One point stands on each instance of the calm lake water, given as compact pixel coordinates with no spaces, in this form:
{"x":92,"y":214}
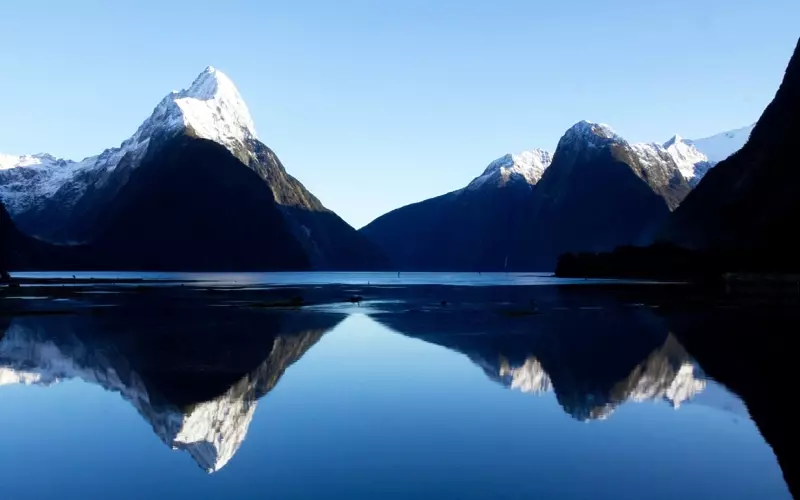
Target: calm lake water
{"x":329,"y":278}
{"x":368,"y":403}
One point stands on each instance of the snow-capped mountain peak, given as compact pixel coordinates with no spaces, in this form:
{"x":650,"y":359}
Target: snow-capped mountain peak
{"x":674,"y":140}
{"x":590,"y":130}
{"x":659,"y":161}
{"x":690,"y":162}
{"x":211,"y":108}
{"x":40,"y":159}
{"x":528,"y":166}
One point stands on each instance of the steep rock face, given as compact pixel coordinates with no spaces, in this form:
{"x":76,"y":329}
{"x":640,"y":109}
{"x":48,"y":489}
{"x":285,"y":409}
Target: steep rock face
{"x":194,"y":206}
{"x":750,"y":202}
{"x":599,"y":192}
{"x":472,"y":229}
{"x":71,"y":202}
{"x":327,"y":240}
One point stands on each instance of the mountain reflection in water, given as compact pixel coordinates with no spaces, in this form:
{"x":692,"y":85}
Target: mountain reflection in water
{"x":591,"y":361}
{"x":199,"y":398}
{"x":197,"y":378}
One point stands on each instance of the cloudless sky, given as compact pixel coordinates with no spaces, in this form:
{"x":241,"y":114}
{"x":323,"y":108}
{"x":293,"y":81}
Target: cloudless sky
{"x":374,"y":104}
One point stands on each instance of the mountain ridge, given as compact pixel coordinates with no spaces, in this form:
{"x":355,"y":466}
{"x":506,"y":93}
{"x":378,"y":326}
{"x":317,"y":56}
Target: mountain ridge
{"x":61,"y":201}
{"x":502,"y":219}
{"x":749,"y":202}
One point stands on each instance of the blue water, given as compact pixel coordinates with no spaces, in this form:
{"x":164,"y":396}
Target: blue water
{"x":372,"y":407}
{"x":327,"y":278}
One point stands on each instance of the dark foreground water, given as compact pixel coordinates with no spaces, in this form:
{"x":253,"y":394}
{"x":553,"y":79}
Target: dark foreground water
{"x":369,"y":401}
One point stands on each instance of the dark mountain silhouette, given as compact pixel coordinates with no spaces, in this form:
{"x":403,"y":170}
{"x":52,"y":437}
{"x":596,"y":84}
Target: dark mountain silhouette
{"x":328,"y":241}
{"x":466,"y":230}
{"x":599,"y":191}
{"x":19,"y":251}
{"x":598,"y":194}
{"x":741,"y":217}
{"x":192,"y":205}
{"x":751,"y":201}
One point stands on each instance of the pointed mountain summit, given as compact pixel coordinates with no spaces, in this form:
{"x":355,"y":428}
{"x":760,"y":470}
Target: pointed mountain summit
{"x":527,"y":167}
{"x":471,"y":229}
{"x":193,"y":188}
{"x":213,"y":109}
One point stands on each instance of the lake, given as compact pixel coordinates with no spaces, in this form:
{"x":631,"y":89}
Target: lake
{"x":326,"y":278}
{"x":590,"y":395}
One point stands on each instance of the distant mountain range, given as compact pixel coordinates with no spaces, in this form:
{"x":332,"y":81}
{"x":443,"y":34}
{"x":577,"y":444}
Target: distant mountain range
{"x":597,"y":191}
{"x":193,"y":188}
{"x":741,"y":217}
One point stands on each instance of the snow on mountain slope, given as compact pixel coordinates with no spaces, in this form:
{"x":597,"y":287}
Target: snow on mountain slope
{"x":211,"y":108}
{"x":659,"y":160}
{"x":720,"y":146}
{"x":690,"y":162}
{"x":214,"y":110}
{"x":528,"y":166}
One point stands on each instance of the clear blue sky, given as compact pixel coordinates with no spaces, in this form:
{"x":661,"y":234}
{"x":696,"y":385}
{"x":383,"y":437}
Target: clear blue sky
{"x":375,"y":104}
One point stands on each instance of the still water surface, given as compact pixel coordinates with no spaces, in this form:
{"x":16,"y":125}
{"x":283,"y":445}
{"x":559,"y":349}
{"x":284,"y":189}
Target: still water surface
{"x":368,"y":404}
{"x":328,"y":278}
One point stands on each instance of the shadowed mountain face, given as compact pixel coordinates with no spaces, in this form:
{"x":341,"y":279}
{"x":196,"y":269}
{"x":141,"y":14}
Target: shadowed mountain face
{"x":596,"y":195}
{"x":19,"y":251}
{"x":327,"y":240}
{"x":751,"y":201}
{"x":467,"y":230}
{"x":8,"y":241}
{"x":596,"y":192}
{"x":197,"y":389}
{"x":471,"y":229}
{"x":192,"y":205}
